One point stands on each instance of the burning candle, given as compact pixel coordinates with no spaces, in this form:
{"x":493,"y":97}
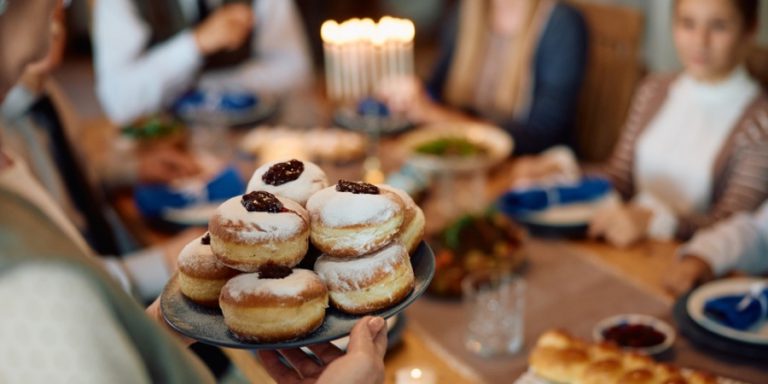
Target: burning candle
{"x":360,"y":54}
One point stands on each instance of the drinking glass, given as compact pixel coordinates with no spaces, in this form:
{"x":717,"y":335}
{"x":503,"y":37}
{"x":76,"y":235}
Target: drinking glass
{"x":495,"y":308}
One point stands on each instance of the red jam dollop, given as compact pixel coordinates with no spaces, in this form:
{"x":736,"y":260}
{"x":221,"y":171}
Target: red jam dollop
{"x":357,"y":187}
{"x":284,"y":172}
{"x":634,"y":335}
{"x":273,"y":271}
{"x":260,"y":201}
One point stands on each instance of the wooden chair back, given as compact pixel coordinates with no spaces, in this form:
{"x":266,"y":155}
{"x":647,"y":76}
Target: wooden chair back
{"x":614,"y":69}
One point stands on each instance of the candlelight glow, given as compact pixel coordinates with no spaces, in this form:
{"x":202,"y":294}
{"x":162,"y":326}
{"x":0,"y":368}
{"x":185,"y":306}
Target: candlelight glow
{"x":366,"y":30}
{"x":416,"y":373}
{"x":360,"y":54}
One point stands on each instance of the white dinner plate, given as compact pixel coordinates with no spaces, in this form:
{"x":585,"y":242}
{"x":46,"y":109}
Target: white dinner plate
{"x":698,"y":298}
{"x":495,"y":140}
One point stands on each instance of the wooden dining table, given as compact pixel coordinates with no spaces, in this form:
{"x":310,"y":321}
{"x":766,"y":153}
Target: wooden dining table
{"x":572,"y":284}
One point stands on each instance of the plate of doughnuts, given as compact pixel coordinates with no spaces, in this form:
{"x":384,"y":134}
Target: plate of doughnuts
{"x":295,"y":262}
{"x":206,"y":324}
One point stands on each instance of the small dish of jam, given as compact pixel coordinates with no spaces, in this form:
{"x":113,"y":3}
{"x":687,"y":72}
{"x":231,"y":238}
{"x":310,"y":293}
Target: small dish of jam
{"x":635,"y":332}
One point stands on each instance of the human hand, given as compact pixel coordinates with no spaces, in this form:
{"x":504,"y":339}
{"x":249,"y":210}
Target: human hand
{"x":173,"y":247}
{"x":224,"y":30}
{"x":620,"y":225}
{"x":163,"y":164}
{"x":687,"y":272}
{"x":362,"y":363}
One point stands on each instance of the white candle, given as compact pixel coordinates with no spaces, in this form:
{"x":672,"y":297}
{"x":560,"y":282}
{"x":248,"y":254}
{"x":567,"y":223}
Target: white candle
{"x":361,"y":54}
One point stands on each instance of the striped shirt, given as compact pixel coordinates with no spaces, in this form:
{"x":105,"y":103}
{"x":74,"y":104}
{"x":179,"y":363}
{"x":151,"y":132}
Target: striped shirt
{"x":740,"y":171}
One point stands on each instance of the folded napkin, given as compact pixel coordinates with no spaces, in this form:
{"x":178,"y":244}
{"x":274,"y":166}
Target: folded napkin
{"x":522,"y":201}
{"x":370,"y":106}
{"x":152,"y":200}
{"x":740,"y":311}
{"x":232,"y":101}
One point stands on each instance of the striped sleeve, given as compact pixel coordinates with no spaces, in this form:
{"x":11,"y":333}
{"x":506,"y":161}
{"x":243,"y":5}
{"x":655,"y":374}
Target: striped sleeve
{"x":619,"y":168}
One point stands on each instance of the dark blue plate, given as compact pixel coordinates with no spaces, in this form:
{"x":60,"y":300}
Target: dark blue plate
{"x":728,"y":348}
{"x":207,"y":325}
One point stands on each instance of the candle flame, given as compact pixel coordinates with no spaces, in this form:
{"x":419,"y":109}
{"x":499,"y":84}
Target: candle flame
{"x":388,"y":29}
{"x":416,"y":373}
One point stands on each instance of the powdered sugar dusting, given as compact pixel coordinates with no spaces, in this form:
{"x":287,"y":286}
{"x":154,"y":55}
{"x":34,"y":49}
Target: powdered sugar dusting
{"x":261,"y":226}
{"x":291,"y":285}
{"x":403,"y":195}
{"x":198,"y":256}
{"x":310,"y":181}
{"x":341,"y":209}
{"x":344,"y":273}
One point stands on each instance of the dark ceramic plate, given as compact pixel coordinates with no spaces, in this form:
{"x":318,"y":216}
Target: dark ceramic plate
{"x":207,"y":325}
{"x":350,"y":119}
{"x":708,"y":339}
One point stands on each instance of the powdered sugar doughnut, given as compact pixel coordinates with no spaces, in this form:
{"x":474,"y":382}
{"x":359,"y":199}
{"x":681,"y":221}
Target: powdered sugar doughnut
{"x":351,"y":219}
{"x":259,"y":229}
{"x":276,"y":304}
{"x":412,"y":230}
{"x":201,"y":274}
{"x":368,"y":283}
{"x":294,"y":179}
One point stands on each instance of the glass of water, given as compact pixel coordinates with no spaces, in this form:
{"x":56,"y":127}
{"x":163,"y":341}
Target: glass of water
{"x":495,"y":309}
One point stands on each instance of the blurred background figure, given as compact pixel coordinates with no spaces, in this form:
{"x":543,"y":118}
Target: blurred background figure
{"x":518,"y":64}
{"x":34,"y":133}
{"x":693,"y":148}
{"x":149,"y":53}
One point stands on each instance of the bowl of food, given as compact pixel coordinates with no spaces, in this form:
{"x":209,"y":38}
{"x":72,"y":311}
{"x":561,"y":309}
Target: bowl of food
{"x":447,"y":147}
{"x":636,"y":332}
{"x":475,"y":244}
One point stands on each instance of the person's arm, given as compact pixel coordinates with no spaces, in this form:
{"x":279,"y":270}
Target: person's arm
{"x":746,"y":188}
{"x":281,"y":55}
{"x":560,"y":65}
{"x":739,"y":243}
{"x":132,"y":81}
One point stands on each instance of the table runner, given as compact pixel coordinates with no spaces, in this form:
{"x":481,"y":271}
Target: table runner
{"x":566,"y":289}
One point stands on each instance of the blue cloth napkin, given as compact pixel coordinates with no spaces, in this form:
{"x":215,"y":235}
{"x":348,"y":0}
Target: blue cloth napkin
{"x":524,"y":201}
{"x":152,"y":200}
{"x":232,"y":101}
{"x":371,"y":106}
{"x":732,"y":312}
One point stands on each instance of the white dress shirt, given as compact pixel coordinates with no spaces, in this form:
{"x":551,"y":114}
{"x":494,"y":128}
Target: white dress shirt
{"x":676,"y":154}
{"x":132,"y":81}
{"x":739,"y":243}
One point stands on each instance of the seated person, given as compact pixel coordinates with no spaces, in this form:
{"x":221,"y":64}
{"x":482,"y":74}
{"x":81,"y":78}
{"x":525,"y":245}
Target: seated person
{"x":149,"y":53}
{"x":693,"y":148}
{"x":90,"y":324}
{"x":516,"y":63}
{"x":32,"y":128}
{"x":737,"y":244}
